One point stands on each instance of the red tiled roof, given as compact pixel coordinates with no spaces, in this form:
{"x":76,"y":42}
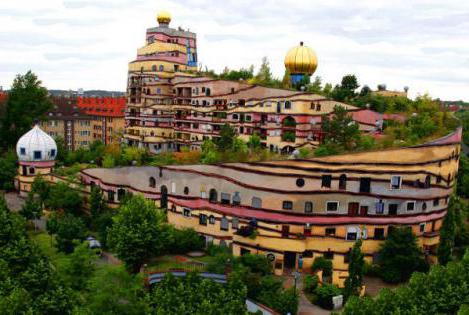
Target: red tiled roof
{"x":369,"y":117}
{"x":105,"y":106}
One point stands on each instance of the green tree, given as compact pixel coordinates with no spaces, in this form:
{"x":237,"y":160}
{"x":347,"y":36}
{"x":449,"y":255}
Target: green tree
{"x":31,"y":209}
{"x":340,"y":129}
{"x":286,"y":81}
{"x":354,"y":281}
{"x":79,"y":267}
{"x":97,"y":202}
{"x":463,"y":177}
{"x":8,"y":170}
{"x":135,"y":234}
{"x":443,"y":290}
{"x":264,"y":75}
{"x":63,"y":197}
{"x":447,"y":235}
{"x":41,"y":188}
{"x":346,"y":89}
{"x":114,"y":291}
{"x":62,"y":150}
{"x":194,"y":295}
{"x":316,"y":86}
{"x":400,"y":256}
{"x":227,"y":138}
{"x":70,"y":230}
{"x":254,"y":142}
{"x":27,"y":100}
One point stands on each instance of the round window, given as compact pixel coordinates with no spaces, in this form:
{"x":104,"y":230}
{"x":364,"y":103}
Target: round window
{"x":300,"y":182}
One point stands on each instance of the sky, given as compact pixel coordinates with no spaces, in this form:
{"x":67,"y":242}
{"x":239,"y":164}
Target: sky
{"x":87,"y":44}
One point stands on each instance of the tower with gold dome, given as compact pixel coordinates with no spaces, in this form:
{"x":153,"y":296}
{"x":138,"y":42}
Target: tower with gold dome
{"x":300,"y":61}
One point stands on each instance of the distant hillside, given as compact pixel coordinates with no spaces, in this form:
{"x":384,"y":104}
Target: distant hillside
{"x":89,"y":93}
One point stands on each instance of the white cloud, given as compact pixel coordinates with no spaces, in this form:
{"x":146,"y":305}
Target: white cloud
{"x":88,"y":43}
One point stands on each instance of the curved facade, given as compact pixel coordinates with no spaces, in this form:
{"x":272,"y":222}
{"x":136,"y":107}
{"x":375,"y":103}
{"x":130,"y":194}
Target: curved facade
{"x":296,"y":210}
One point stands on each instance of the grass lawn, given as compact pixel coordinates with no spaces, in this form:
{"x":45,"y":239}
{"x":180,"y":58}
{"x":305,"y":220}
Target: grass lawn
{"x":47,"y":245}
{"x":167,"y":262}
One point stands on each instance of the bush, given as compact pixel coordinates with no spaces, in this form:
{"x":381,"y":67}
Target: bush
{"x":310,"y":283}
{"x":183,"y":241}
{"x":257,"y":263}
{"x":325,"y":293}
{"x":321,"y":263}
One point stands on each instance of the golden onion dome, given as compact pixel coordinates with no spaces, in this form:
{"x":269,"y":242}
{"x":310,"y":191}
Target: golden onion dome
{"x":163,"y":17}
{"x":301,"y":59}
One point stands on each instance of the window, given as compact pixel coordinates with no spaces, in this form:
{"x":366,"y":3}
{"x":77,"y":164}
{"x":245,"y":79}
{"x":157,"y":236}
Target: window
{"x":422,"y":227}
{"x":186,"y":190}
{"x":308,"y":207}
{"x":352,"y":233}
{"x":224,"y":224}
{"x":152,"y":182}
{"x":213,"y":196}
{"x":343,"y":182}
{"x":332,"y":206}
{"x":287,"y":105}
{"x":225,"y":198}
{"x":436,"y":202}
{"x":120,"y":194}
{"x":326,"y":181}
{"x":236,"y":199}
{"x":23,"y":151}
{"x":37,"y":155}
{"x":256,"y":202}
{"x":365,"y":185}
{"x":234,"y":222}
{"x":161,"y":68}
{"x":287,"y":205}
{"x":379,"y":207}
{"x":330,"y":231}
{"x":211,"y":219}
{"x":52,"y":153}
{"x":392,"y":209}
{"x":395,"y":182}
{"x":424,"y":206}
{"x":308,"y":254}
{"x":110,"y":195}
{"x":202,"y":219}
{"x":31,"y":170}
{"x":300,"y":182}
{"x":379,"y":234}
{"x":186,"y":212}
{"x":411,"y":206}
{"x":318,"y":107}
{"x":428,"y":181}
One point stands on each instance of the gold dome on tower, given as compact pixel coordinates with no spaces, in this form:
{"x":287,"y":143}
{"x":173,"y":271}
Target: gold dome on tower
{"x":301,"y":59}
{"x":163,"y":17}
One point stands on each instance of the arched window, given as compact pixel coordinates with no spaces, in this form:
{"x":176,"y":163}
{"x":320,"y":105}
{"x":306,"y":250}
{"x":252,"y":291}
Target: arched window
{"x":428,"y":180}
{"x":153,"y":68}
{"x":212,"y":195}
{"x":343,"y":182}
{"x":236,"y":198}
{"x":120,"y":194}
{"x":161,"y":68}
{"x":186,"y":190}
{"x":211,"y":219}
{"x":256,"y":202}
{"x":207,"y":92}
{"x":152,"y":182}
{"x":289,"y":129}
{"x":224,"y":224}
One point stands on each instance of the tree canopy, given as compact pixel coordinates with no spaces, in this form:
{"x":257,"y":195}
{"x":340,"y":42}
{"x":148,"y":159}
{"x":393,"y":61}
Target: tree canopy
{"x":27,"y":101}
{"x":136,"y":232}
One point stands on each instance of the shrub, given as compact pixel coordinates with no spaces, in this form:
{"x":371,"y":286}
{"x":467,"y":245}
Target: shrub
{"x":185,"y":240}
{"x":321,"y":263}
{"x":310,"y":283}
{"x":257,"y":263}
{"x":325,"y":293}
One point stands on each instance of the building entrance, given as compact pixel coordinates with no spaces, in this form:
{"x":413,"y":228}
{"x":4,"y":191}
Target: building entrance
{"x":289,"y":260}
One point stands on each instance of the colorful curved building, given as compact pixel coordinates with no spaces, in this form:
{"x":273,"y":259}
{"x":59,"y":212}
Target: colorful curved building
{"x":301,"y":209}
{"x":169,"y":107}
